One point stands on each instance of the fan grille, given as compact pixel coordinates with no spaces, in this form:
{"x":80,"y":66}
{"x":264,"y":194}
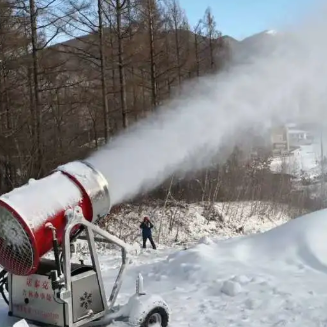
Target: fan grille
{"x":16,"y":251}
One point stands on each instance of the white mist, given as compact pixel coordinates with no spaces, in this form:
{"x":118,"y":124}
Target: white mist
{"x":290,"y":81}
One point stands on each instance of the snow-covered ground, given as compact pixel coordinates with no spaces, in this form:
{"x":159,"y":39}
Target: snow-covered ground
{"x":275,"y":278}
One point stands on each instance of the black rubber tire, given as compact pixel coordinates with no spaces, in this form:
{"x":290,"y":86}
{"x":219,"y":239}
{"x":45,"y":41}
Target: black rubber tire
{"x":159,"y":310}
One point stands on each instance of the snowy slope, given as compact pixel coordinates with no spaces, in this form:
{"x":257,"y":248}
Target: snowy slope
{"x":179,"y":222}
{"x":274,"y":278}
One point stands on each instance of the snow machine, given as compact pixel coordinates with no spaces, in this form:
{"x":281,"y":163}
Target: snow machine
{"x":49,"y":215}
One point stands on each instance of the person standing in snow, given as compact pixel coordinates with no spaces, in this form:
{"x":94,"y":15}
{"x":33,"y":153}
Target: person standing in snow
{"x":146,"y":227}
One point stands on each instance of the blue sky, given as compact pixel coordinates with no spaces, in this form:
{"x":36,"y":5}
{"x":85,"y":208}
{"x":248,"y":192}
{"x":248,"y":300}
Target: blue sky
{"x":241,"y":18}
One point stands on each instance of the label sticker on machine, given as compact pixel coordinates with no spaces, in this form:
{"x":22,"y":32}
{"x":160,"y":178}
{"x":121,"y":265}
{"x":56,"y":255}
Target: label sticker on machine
{"x":33,"y":299}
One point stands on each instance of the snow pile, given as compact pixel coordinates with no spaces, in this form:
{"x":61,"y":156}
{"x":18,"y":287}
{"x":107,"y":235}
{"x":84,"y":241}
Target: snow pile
{"x":231,"y":288}
{"x":300,"y":242}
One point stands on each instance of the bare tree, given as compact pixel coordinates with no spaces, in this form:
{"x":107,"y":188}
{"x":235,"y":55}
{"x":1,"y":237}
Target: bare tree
{"x":197,"y":30}
{"x":120,"y":9}
{"x":103,"y":74}
{"x":150,"y":22}
{"x":214,"y":39}
{"x":37,"y":110}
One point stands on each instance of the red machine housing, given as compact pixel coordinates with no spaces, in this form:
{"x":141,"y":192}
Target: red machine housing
{"x":25,"y":211}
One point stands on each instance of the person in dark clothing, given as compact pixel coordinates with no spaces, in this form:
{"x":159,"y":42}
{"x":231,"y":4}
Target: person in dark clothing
{"x":146,"y":227}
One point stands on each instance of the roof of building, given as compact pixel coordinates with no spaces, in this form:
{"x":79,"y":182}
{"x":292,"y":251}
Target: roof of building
{"x":297,"y":131}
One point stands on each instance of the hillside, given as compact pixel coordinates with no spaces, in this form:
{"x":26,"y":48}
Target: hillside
{"x":257,"y":44}
{"x":182,"y":223}
{"x":87,"y":45}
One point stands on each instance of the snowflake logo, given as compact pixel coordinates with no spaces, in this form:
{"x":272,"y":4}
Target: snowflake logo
{"x":86,"y":300}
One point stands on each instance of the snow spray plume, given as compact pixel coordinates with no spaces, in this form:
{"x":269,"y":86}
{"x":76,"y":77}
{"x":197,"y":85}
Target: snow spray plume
{"x":288,"y":82}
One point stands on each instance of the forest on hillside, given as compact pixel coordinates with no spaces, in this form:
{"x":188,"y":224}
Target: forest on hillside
{"x":74,"y":73}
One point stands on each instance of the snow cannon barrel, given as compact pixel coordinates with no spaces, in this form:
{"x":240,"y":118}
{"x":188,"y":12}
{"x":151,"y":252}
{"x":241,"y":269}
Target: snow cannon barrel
{"x":25,"y":211}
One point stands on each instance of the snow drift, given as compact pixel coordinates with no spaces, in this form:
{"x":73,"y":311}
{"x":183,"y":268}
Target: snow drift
{"x":300,"y":242}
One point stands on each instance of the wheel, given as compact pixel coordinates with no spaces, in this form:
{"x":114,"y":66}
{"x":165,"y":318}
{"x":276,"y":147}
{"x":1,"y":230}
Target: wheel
{"x":148,"y":310}
{"x":157,"y":317}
